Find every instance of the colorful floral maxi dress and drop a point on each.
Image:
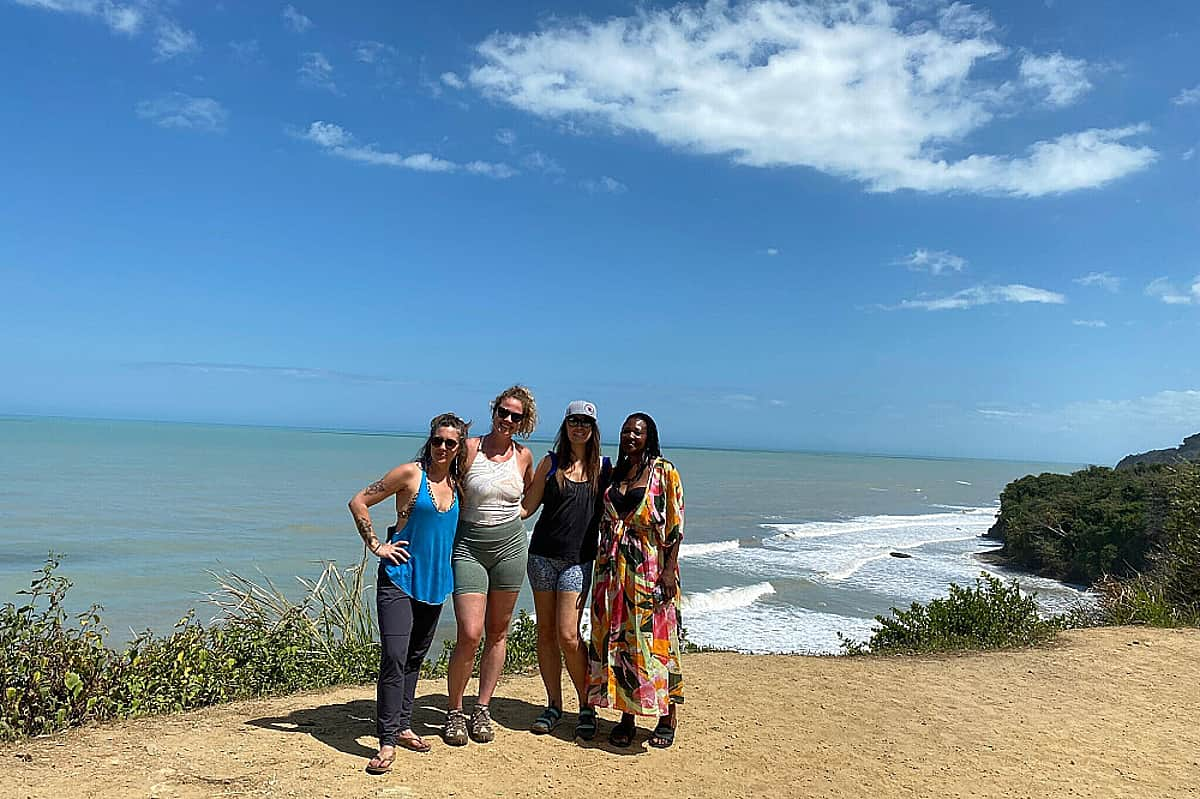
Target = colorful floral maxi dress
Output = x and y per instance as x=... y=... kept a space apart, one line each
x=633 y=655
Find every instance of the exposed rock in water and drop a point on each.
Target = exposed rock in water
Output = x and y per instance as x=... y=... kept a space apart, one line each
x=1189 y=450
x=900 y=554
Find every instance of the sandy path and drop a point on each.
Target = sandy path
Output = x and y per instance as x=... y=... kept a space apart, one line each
x=1112 y=712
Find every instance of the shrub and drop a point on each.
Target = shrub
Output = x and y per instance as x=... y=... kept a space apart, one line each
x=992 y=615
x=55 y=674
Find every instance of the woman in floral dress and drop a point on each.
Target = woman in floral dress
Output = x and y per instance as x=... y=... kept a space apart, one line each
x=633 y=656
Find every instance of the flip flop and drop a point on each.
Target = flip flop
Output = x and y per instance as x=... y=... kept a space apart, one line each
x=381 y=765
x=547 y=721
x=414 y=744
x=585 y=728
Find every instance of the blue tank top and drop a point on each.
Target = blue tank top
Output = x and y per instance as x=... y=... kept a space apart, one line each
x=426 y=576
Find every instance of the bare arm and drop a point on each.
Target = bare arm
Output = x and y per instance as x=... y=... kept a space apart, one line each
x=536 y=490
x=401 y=482
x=525 y=463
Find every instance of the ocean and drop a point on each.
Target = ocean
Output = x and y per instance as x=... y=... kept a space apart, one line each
x=783 y=550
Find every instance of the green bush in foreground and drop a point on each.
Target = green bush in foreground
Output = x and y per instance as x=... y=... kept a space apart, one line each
x=56 y=674
x=992 y=615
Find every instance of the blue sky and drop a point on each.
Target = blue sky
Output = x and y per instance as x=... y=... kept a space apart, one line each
x=924 y=228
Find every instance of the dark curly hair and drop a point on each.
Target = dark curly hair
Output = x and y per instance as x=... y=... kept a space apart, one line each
x=624 y=466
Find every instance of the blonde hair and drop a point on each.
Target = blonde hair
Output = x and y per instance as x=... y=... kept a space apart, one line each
x=529 y=407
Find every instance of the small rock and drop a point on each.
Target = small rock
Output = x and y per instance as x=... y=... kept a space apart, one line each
x=900 y=554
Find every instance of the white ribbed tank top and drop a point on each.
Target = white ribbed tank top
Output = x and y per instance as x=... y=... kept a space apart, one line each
x=491 y=492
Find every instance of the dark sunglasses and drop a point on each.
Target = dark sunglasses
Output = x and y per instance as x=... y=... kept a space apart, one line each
x=579 y=421
x=448 y=443
x=505 y=413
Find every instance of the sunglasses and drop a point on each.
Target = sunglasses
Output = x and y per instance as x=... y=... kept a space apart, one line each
x=505 y=413
x=448 y=443
x=579 y=421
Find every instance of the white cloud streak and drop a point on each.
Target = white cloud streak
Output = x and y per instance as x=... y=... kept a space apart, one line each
x=1096 y=323
x=986 y=295
x=171 y=41
x=452 y=80
x=1108 y=282
x=1063 y=80
x=604 y=185
x=1188 y=96
x=129 y=19
x=935 y=262
x=856 y=88
x=1165 y=291
x=184 y=112
x=294 y=21
x=339 y=142
x=316 y=72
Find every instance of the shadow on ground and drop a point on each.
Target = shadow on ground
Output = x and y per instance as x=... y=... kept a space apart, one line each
x=340 y=726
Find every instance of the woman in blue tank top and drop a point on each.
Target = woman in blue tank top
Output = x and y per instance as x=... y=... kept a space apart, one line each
x=414 y=574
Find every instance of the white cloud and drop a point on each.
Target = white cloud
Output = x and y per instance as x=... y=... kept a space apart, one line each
x=506 y=136
x=371 y=52
x=179 y=110
x=986 y=295
x=338 y=141
x=1104 y=280
x=316 y=72
x=1181 y=408
x=1097 y=323
x=856 y=88
x=1000 y=413
x=247 y=51
x=604 y=185
x=129 y=19
x=772 y=251
x=294 y=21
x=120 y=18
x=935 y=262
x=171 y=40
x=1189 y=154
x=1164 y=290
x=1187 y=96
x=540 y=162
x=452 y=80
x=1063 y=79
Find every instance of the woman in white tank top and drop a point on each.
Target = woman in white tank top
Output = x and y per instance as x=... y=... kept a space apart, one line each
x=490 y=550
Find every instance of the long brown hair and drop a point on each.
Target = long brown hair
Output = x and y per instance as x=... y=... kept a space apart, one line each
x=458 y=464
x=566 y=457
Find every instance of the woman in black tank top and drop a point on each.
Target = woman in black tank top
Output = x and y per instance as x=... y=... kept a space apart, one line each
x=567 y=487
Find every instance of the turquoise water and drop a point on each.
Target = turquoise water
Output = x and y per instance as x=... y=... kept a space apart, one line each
x=783 y=550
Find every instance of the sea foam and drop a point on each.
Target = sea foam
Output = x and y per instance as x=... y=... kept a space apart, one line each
x=722 y=599
x=699 y=550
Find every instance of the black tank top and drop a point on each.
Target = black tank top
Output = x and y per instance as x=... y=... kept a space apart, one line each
x=569 y=525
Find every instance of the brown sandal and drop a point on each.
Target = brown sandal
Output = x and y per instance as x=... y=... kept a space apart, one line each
x=381 y=765
x=414 y=744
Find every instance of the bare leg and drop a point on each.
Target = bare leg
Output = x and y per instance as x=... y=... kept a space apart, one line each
x=549 y=659
x=569 y=612
x=500 y=606
x=469 y=611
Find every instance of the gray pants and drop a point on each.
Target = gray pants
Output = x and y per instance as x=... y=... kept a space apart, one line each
x=406 y=630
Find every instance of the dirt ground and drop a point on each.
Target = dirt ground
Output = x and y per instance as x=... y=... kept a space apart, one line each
x=1102 y=713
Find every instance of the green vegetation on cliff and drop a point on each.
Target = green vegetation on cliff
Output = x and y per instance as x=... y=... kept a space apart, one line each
x=1132 y=533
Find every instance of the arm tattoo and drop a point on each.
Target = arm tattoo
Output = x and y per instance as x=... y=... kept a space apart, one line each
x=365 y=529
x=375 y=488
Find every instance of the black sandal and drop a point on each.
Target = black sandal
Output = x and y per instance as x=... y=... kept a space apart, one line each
x=663 y=735
x=621 y=735
x=547 y=721
x=585 y=728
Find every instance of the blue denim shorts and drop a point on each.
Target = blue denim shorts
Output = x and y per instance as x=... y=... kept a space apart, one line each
x=553 y=574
